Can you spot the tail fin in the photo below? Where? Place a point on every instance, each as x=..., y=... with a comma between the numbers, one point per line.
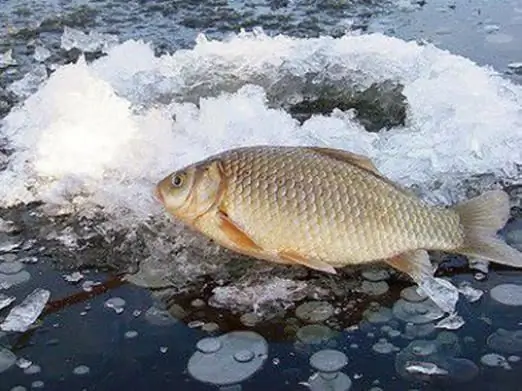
x=482, y=217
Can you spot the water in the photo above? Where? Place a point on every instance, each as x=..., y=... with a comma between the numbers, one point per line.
x=151, y=93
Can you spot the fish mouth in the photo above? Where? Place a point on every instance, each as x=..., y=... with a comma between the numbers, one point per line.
x=158, y=195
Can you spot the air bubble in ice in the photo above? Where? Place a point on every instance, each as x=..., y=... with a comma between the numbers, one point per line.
x=507, y=294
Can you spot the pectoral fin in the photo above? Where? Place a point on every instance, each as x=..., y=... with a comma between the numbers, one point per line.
x=236, y=236
x=294, y=257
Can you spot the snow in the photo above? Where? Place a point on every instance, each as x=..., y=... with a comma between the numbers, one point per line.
x=99, y=136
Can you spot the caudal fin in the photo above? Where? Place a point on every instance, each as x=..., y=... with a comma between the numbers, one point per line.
x=482, y=217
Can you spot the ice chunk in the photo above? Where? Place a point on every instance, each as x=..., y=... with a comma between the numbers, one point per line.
x=21, y=317
x=451, y=322
x=278, y=292
x=41, y=53
x=6, y=59
x=73, y=277
x=91, y=42
x=30, y=83
x=5, y=301
x=9, y=280
x=11, y=267
x=472, y=294
x=442, y=292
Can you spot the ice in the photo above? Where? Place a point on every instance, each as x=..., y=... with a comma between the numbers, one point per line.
x=276, y=292
x=21, y=317
x=7, y=359
x=90, y=42
x=471, y=294
x=451, y=322
x=5, y=301
x=6, y=59
x=507, y=294
x=140, y=117
x=41, y=53
x=30, y=83
x=73, y=277
x=442, y=292
x=314, y=311
x=463, y=119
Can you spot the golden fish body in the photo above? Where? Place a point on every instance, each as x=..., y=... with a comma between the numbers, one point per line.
x=326, y=208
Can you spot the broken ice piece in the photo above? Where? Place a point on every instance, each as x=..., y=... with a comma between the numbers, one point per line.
x=470, y=293
x=74, y=277
x=451, y=322
x=6, y=59
x=5, y=301
x=88, y=285
x=515, y=67
x=442, y=292
x=23, y=363
x=92, y=42
x=41, y=53
x=21, y=317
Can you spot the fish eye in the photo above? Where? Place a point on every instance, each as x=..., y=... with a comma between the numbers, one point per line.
x=178, y=180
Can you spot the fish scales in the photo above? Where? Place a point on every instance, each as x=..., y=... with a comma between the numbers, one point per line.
x=313, y=204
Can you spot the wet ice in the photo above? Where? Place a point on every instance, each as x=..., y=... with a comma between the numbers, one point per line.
x=21, y=317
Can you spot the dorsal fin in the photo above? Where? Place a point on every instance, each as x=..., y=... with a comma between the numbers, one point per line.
x=362, y=162
x=349, y=157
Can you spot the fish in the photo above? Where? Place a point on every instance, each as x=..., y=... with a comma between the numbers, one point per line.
x=325, y=209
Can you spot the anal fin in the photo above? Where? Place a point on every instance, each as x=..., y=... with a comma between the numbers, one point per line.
x=294, y=257
x=414, y=263
x=418, y=266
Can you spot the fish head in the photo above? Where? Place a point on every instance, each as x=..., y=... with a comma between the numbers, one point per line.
x=192, y=191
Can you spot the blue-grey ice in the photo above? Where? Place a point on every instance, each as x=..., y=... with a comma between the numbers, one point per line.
x=21, y=317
